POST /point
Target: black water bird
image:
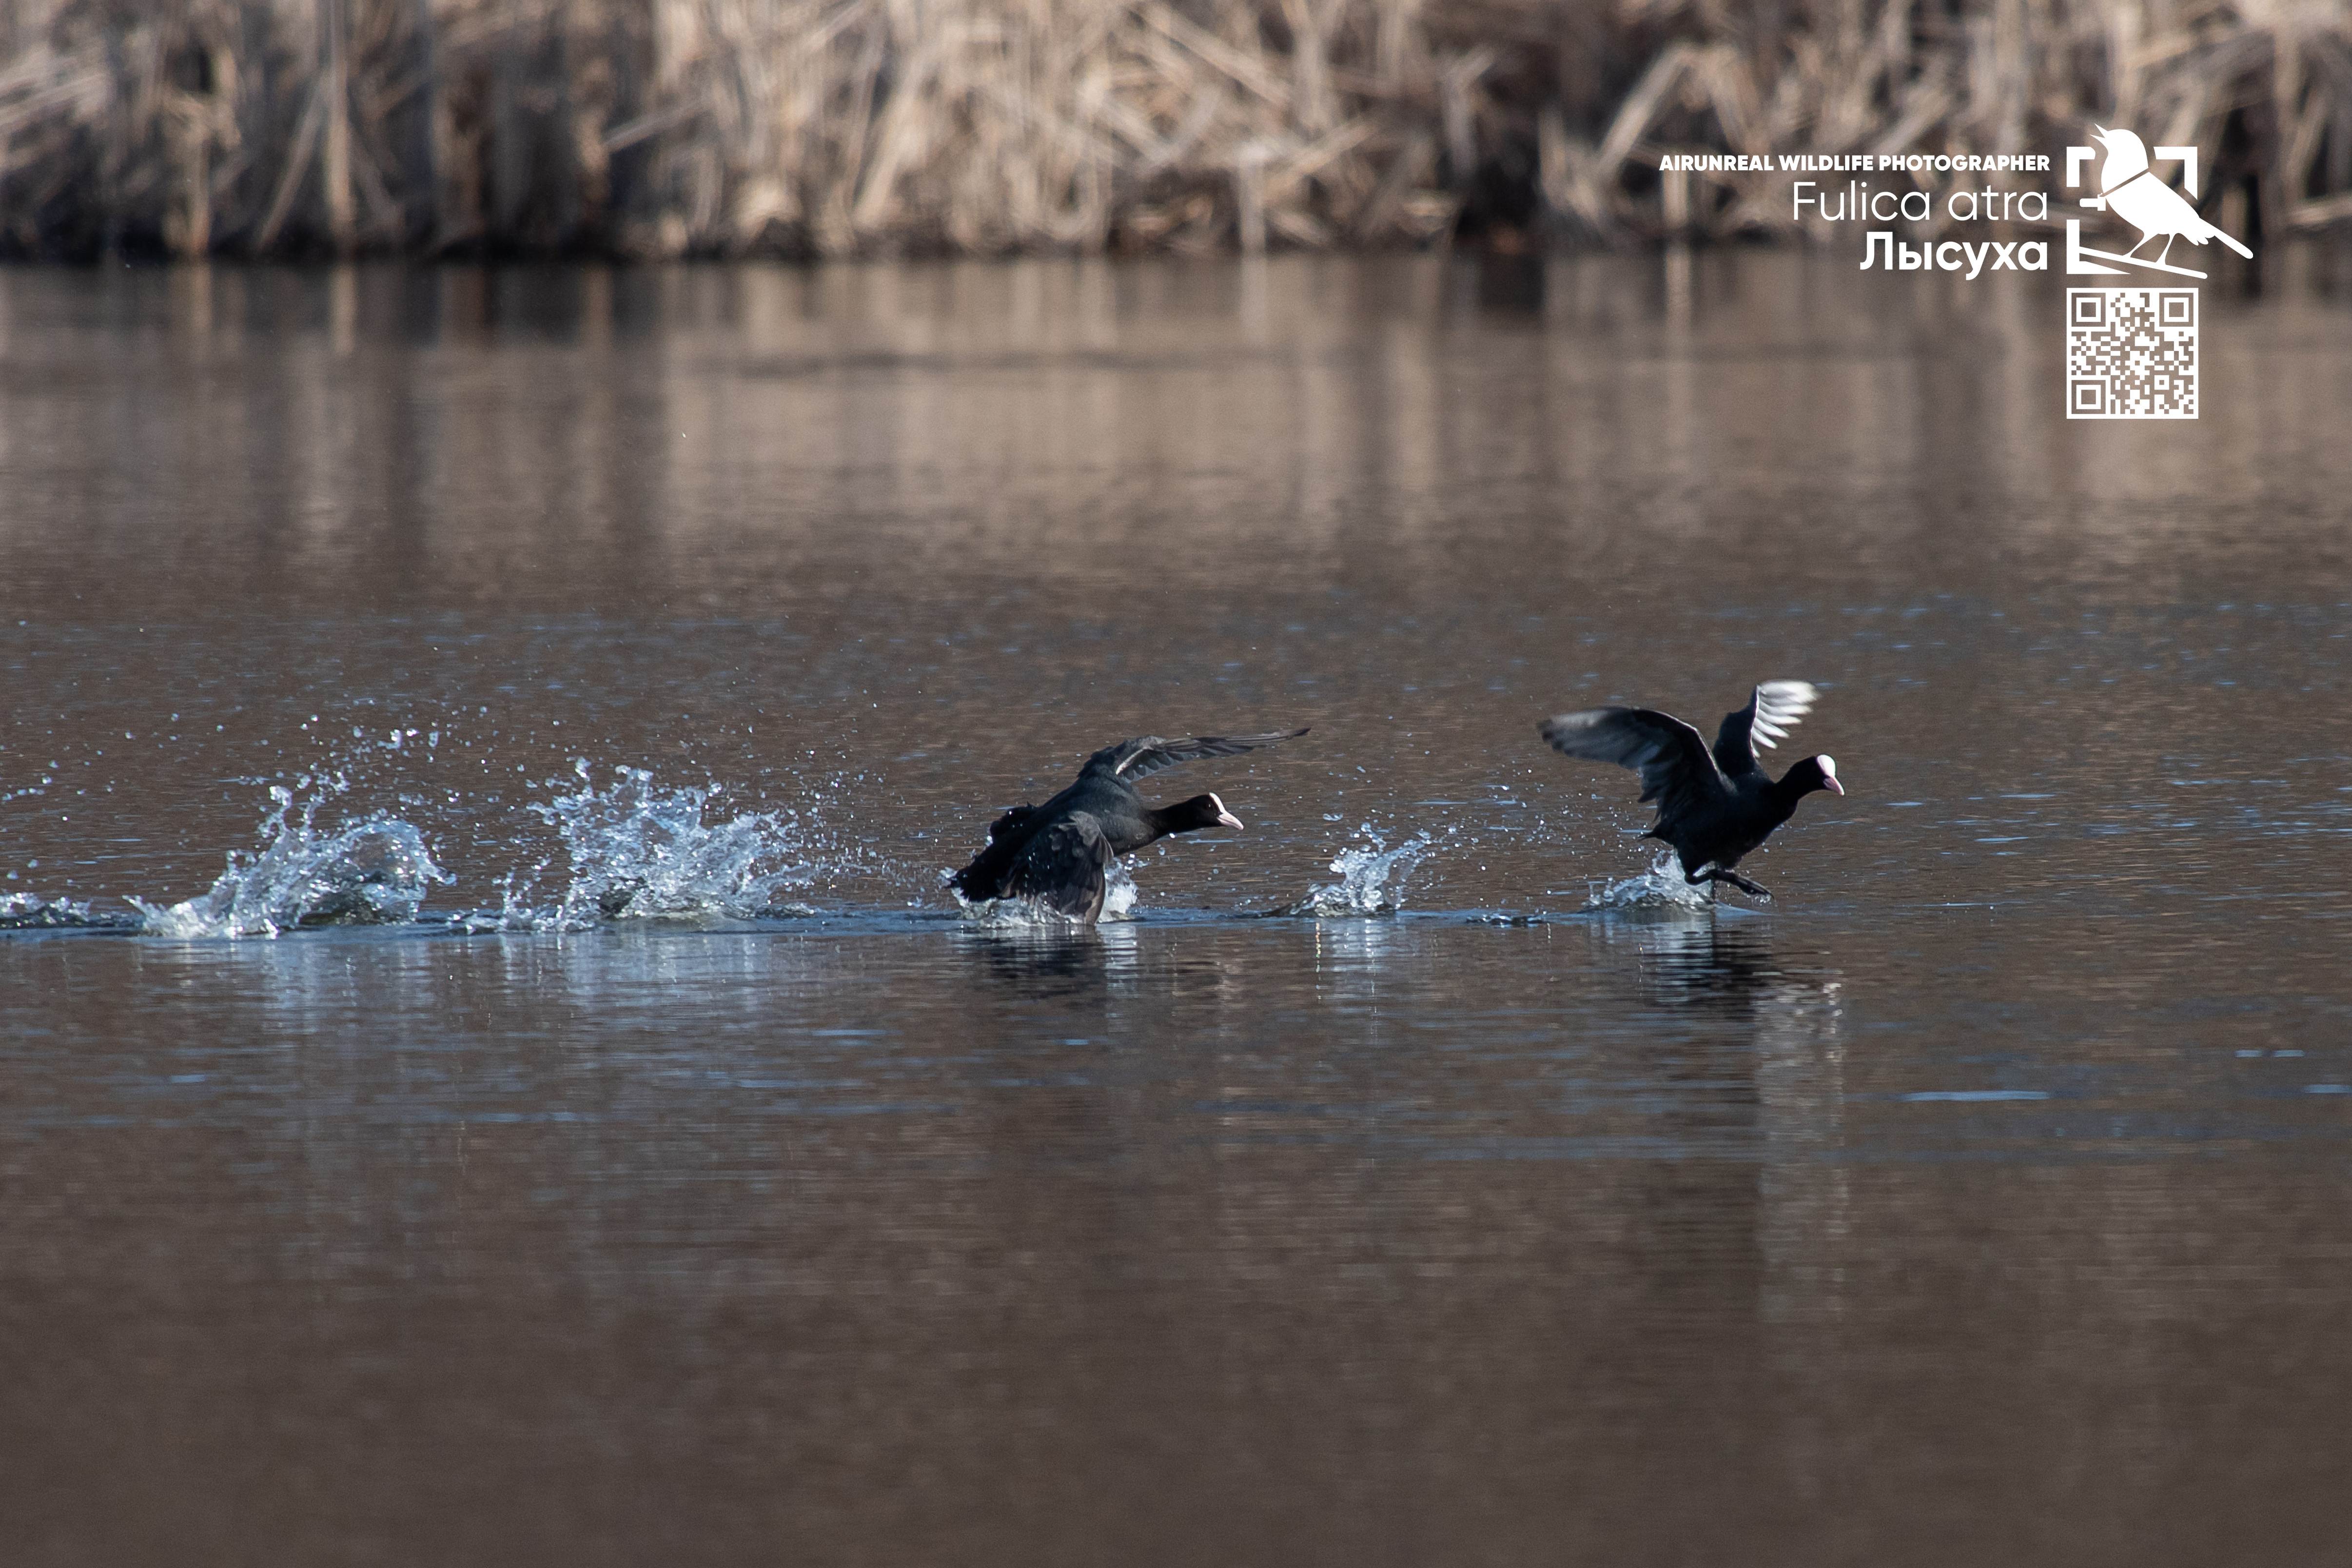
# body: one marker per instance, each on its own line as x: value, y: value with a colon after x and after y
x: 1058, y: 854
x: 1714, y: 808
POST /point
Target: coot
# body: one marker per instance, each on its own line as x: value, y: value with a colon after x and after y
x: 1056, y: 855
x: 1712, y: 809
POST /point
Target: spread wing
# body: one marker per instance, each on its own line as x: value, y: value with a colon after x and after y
x: 1675, y: 770
x: 1063, y: 867
x: 1764, y: 723
x: 1147, y: 754
x: 985, y: 876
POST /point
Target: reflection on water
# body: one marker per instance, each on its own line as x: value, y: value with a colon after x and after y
x: 1055, y: 959
x: 686, y: 1178
x: 1718, y: 964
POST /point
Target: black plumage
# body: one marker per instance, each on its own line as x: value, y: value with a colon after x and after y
x: 1713, y: 806
x: 1058, y: 854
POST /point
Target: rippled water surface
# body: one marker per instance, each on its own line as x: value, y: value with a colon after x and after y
x: 489, y: 1073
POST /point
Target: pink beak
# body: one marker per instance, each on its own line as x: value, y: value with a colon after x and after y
x: 1228, y: 819
x: 1829, y: 781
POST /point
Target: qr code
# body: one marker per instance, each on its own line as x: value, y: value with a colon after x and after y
x: 2131, y: 353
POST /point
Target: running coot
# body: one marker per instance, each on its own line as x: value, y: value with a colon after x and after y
x: 1056, y: 855
x: 1712, y: 808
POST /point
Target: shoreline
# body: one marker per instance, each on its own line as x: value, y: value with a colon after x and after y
x: 511, y: 129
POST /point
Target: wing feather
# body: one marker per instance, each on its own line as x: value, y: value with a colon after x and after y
x: 1773, y: 710
x: 1149, y: 754
x: 1676, y: 771
x: 1064, y: 868
x: 985, y: 876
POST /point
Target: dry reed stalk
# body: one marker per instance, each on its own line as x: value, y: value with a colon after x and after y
x: 845, y: 127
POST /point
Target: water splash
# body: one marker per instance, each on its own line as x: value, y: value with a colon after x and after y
x: 640, y: 852
x: 1014, y: 914
x: 1120, y: 894
x: 1119, y: 897
x: 1658, y: 890
x: 1371, y: 879
x: 376, y: 871
x: 29, y: 911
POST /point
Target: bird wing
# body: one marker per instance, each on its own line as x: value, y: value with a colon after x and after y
x: 1771, y: 712
x: 1147, y: 754
x: 985, y: 876
x: 1675, y: 770
x: 1064, y: 868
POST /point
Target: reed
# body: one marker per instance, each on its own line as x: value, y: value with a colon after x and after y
x: 828, y: 128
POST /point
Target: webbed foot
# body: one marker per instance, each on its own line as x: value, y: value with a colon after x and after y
x: 1717, y: 874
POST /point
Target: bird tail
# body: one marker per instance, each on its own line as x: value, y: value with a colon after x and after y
x: 2230, y: 242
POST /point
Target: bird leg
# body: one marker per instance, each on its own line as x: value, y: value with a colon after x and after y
x: 2135, y: 249
x: 1717, y: 874
x: 2167, y: 248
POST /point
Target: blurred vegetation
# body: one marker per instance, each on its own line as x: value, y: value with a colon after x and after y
x: 824, y: 128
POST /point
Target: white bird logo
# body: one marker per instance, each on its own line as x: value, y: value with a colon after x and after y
x: 2146, y: 203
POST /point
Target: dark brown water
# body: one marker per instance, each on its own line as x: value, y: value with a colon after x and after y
x: 1987, y: 1198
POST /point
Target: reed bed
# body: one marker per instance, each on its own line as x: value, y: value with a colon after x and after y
x: 831, y: 127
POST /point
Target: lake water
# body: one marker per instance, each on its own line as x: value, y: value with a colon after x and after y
x: 1414, y: 1178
